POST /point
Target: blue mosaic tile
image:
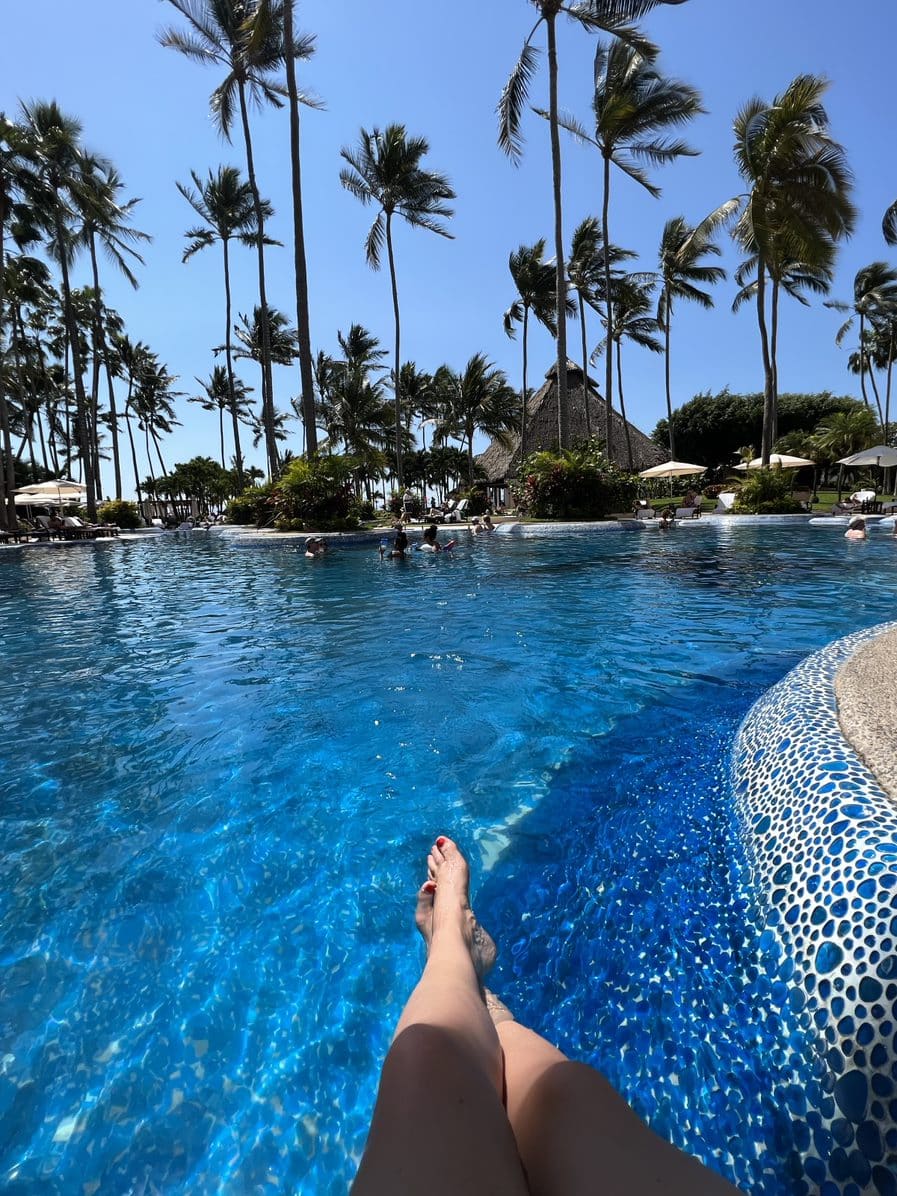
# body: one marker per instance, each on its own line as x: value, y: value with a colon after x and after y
x: 823, y: 841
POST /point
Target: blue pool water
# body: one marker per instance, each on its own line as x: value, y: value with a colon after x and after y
x: 220, y: 768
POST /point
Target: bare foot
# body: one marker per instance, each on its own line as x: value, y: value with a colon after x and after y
x: 480, y: 943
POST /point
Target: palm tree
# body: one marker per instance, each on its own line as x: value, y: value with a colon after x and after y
x: 783, y: 274
x: 874, y: 298
x: 221, y: 393
x: 226, y: 205
x: 610, y: 16
x: 845, y: 433
x: 283, y: 341
x: 535, y: 280
x: 106, y: 222
x: 632, y: 104
x: 15, y: 175
x: 631, y: 303
x: 128, y: 359
x: 682, y: 272
x: 584, y: 269
x: 798, y: 204
x: 246, y: 38
x: 299, y: 259
x: 384, y: 169
x: 58, y: 159
x: 153, y: 404
x: 477, y: 400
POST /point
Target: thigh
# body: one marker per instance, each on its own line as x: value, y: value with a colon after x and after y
x: 576, y: 1136
x: 439, y: 1127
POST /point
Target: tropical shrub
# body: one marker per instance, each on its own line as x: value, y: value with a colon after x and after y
x: 122, y: 514
x: 363, y: 510
x: 767, y: 492
x: 574, y: 484
x: 253, y: 506
x: 477, y: 500
x: 317, y: 493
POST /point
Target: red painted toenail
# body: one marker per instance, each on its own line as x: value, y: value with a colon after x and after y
x: 440, y: 841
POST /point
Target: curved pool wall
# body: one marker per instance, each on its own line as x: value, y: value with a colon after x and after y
x: 822, y: 841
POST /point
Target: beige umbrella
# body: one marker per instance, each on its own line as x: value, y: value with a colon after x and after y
x: 776, y: 461
x: 672, y: 469
x: 58, y: 490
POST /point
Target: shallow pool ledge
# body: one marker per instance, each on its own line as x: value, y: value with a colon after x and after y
x: 821, y: 832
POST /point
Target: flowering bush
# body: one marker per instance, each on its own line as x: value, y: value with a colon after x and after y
x: 574, y: 484
x: 120, y: 513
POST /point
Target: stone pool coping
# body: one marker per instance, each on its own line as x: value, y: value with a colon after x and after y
x: 867, y: 707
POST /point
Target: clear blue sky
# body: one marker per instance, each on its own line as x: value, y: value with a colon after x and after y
x: 440, y: 69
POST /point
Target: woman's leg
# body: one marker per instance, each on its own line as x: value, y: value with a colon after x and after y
x: 576, y: 1136
x: 439, y: 1125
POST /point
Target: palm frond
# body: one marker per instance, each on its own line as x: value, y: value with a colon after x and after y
x: 513, y: 98
x: 889, y: 224
x: 373, y: 244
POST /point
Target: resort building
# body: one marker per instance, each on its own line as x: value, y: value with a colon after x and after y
x: 501, y: 460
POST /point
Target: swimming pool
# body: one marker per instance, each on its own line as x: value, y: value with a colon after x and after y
x: 222, y: 764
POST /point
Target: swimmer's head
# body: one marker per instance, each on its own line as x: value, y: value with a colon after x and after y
x: 857, y: 521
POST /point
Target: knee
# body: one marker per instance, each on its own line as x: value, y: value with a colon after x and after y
x: 419, y: 1053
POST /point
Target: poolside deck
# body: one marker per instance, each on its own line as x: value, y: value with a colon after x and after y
x: 867, y: 707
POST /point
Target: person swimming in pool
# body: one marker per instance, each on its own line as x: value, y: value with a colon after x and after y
x: 472, y: 1103
x: 431, y: 541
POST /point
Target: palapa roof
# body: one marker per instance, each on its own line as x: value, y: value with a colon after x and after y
x: 502, y: 460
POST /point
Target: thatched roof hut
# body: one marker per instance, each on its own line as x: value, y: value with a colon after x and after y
x: 501, y: 461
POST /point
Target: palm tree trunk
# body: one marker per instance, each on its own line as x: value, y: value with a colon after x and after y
x: 221, y: 433
x: 609, y: 364
x: 396, y: 375
x: 878, y: 406
x: 96, y: 333
x: 623, y: 405
x: 43, y: 443
x: 774, y: 352
x: 667, y: 302
x: 267, y: 376
x: 155, y: 437
x: 523, y: 406
x: 863, y: 359
x: 585, y: 364
x: 113, y: 424
x: 301, y: 266
x: 133, y: 446
x: 560, y: 277
x: 8, y: 507
x: 887, y: 427
x: 80, y: 396
x: 228, y: 356
x: 769, y: 406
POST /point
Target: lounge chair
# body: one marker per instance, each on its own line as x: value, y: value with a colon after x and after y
x: 76, y: 529
x: 458, y: 513
x: 643, y: 509
x: 804, y: 497
x: 688, y: 512
x: 725, y: 502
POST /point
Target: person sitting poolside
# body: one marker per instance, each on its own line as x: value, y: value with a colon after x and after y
x: 856, y: 529
x: 472, y: 1103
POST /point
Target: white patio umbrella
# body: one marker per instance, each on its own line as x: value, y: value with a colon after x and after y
x: 57, y: 490
x: 672, y: 469
x: 776, y: 460
x: 881, y: 455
